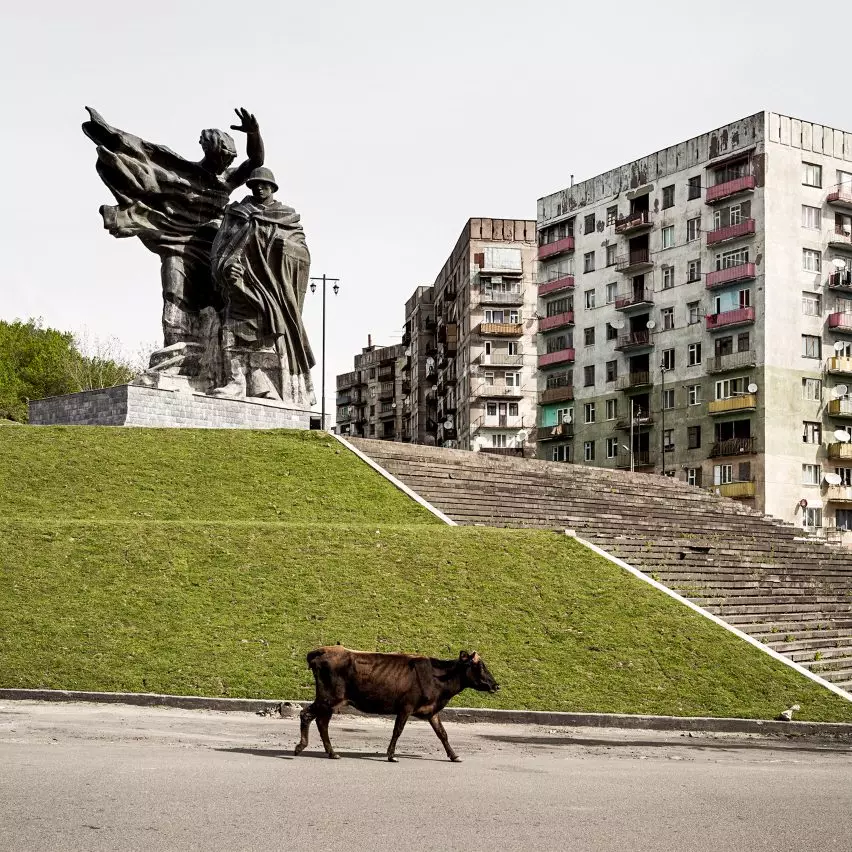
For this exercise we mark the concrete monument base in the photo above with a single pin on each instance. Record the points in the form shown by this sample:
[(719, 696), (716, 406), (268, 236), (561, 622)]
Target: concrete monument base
[(132, 405)]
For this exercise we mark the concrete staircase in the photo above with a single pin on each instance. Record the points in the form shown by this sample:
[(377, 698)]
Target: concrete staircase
[(758, 573)]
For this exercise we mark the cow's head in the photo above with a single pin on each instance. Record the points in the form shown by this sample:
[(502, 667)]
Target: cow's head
[(476, 674)]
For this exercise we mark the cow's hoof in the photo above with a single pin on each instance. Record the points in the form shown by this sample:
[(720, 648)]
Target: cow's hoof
[(392, 759), (334, 755), (456, 759), (298, 750)]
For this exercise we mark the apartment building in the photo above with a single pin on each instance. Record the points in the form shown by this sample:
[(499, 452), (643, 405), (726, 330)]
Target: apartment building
[(482, 385), (419, 403), (370, 398), (696, 317)]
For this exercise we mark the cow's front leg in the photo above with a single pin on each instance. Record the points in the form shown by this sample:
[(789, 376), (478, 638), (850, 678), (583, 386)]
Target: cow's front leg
[(401, 719), (306, 717), (322, 723), (438, 728)]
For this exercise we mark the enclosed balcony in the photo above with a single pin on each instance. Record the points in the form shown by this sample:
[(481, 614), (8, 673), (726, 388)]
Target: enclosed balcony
[(731, 361), (745, 488), (386, 390), (729, 319), (840, 321), (841, 196), (742, 402), (733, 447), (502, 391), (553, 359), (841, 280), (555, 285), (730, 188), (634, 340), (635, 261), (722, 277), (637, 297), (623, 423), (501, 329), (557, 393), (496, 421), (552, 433), (501, 297), (839, 364), (840, 451), (637, 459), (558, 247), (840, 407), (633, 380), (840, 238), (556, 321), (838, 494), (501, 359), (634, 223), (731, 232)]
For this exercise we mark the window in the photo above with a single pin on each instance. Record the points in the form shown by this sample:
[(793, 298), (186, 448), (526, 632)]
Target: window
[(743, 342), (812, 390), (513, 380), (735, 214), (610, 254), (513, 409), (694, 311), (810, 217), (668, 277), (668, 236), (667, 315), (811, 304), (668, 359), (554, 308), (589, 336), (589, 224), (694, 395), (845, 474), (611, 333), (561, 453), (564, 415), (693, 355), (589, 262), (812, 432), (611, 290), (588, 451), (498, 440), (559, 343), (512, 345), (811, 260), (693, 269), (611, 409), (811, 346), (611, 448), (843, 519), (726, 388), (668, 196), (812, 518), (589, 376), (734, 257), (693, 476), (491, 409), (668, 440), (811, 474), (611, 372), (744, 298), (668, 398), (488, 377), (811, 174), (693, 437), (611, 216), (589, 296), (693, 188), (500, 316), (723, 474), (693, 229)]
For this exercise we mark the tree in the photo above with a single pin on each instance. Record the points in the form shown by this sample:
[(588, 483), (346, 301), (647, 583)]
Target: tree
[(96, 363)]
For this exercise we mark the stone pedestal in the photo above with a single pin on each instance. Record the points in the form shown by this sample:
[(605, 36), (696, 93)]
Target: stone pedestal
[(131, 405)]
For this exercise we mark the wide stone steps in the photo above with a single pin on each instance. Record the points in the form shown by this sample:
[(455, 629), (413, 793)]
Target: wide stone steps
[(756, 572)]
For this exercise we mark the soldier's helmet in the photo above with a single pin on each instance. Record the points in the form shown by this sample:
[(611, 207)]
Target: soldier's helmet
[(262, 175)]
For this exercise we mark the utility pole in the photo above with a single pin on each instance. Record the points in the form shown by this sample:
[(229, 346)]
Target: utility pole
[(632, 445), (663, 417), (336, 288)]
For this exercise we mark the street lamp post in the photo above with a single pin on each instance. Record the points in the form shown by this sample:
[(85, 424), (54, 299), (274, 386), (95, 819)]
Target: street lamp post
[(663, 370), (336, 289)]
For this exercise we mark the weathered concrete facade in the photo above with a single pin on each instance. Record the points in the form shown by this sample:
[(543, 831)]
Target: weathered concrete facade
[(708, 285)]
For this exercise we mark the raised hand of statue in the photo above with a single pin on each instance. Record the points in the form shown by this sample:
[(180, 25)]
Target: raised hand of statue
[(248, 123)]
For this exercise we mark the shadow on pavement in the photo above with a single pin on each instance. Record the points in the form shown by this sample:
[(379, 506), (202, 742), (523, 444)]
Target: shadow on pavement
[(287, 754)]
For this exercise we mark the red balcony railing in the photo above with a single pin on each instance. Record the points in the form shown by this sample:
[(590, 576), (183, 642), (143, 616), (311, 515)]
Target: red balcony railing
[(637, 296), (729, 188), (566, 282), (841, 320), (841, 195), (634, 339), (633, 222), (740, 316), (561, 356), (558, 247), (741, 229), (637, 258), (556, 321), (741, 272)]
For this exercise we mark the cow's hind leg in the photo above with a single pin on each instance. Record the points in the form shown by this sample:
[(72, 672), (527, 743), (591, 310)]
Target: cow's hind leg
[(306, 716), (438, 728), (323, 718), (401, 719)]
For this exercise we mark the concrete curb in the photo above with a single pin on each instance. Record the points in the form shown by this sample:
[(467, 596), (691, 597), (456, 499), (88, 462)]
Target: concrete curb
[(706, 724)]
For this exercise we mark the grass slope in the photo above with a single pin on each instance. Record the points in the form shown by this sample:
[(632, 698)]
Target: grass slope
[(184, 592)]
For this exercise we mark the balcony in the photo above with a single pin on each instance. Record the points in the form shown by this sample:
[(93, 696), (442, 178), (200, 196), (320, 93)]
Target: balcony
[(839, 364), (840, 321), (501, 297), (562, 246), (731, 232), (840, 451), (638, 297), (731, 361), (634, 223), (623, 423), (728, 319), (745, 488), (500, 359), (634, 262), (841, 196), (556, 432), (634, 340), (840, 407), (840, 238), (633, 380), (386, 374), (503, 451), (840, 280), (501, 329), (497, 421), (838, 494), (729, 188), (387, 413), (555, 285), (556, 321), (732, 447), (503, 391), (386, 390), (638, 458), (721, 277), (742, 402), (348, 380), (552, 359), (557, 393)]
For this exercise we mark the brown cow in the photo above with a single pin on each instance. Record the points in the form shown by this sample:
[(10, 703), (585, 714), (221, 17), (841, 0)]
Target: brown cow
[(403, 684)]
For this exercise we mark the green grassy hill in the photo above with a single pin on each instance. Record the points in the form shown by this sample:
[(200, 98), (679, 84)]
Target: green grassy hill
[(208, 562)]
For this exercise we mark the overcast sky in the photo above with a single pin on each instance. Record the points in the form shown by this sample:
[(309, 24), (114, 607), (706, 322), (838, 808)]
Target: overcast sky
[(387, 124)]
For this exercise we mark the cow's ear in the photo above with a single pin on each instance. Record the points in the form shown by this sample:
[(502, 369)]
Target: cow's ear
[(464, 656), (475, 657)]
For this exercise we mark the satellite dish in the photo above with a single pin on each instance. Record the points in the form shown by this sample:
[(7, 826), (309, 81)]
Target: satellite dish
[(434, 387), (842, 435), (430, 361), (408, 352), (752, 388), (839, 346), (617, 324), (803, 503), (832, 479), (650, 325), (566, 418), (840, 390), (839, 263), (448, 424)]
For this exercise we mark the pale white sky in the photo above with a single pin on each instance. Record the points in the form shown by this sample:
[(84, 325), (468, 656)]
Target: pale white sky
[(388, 124)]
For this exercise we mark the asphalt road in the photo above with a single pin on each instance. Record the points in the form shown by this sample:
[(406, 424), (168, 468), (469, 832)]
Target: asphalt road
[(107, 777)]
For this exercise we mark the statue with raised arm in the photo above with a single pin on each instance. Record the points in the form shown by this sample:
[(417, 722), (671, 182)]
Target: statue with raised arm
[(175, 207)]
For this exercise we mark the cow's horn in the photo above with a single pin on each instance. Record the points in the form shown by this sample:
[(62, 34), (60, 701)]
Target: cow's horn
[(475, 657)]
